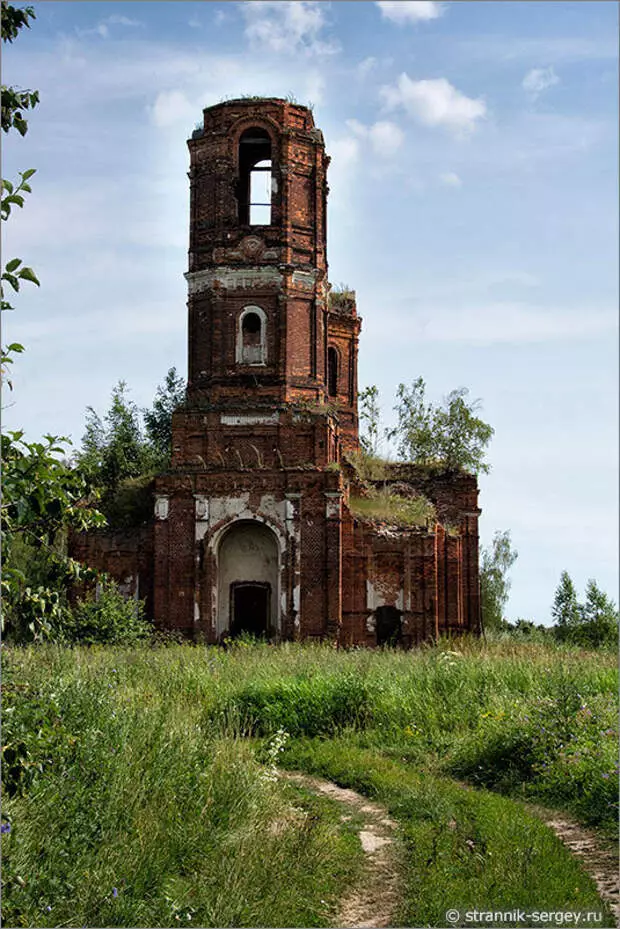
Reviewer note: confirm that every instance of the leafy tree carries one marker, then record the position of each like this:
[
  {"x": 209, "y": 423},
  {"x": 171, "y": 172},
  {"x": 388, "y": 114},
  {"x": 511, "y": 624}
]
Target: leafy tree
[
  {"x": 450, "y": 435},
  {"x": 158, "y": 420},
  {"x": 495, "y": 562},
  {"x": 14, "y": 102},
  {"x": 598, "y": 617},
  {"x": 42, "y": 496},
  {"x": 593, "y": 624},
  {"x": 565, "y": 609},
  {"x": 114, "y": 448},
  {"x": 370, "y": 416}
]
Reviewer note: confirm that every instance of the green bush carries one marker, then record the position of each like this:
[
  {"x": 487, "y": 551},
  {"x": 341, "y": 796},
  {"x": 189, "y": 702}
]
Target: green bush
[
  {"x": 106, "y": 619},
  {"x": 300, "y": 705}
]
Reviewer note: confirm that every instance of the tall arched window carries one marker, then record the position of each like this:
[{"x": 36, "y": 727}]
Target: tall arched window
[
  {"x": 332, "y": 372},
  {"x": 255, "y": 179},
  {"x": 252, "y": 337}
]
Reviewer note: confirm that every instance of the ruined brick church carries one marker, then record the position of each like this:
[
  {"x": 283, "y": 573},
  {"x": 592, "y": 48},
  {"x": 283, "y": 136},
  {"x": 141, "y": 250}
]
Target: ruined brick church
[{"x": 253, "y": 528}]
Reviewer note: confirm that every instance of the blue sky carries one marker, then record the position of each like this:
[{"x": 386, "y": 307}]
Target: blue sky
[{"x": 473, "y": 206}]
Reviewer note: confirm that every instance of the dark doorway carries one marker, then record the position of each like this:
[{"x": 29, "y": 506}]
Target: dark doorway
[
  {"x": 389, "y": 626},
  {"x": 250, "y": 606}
]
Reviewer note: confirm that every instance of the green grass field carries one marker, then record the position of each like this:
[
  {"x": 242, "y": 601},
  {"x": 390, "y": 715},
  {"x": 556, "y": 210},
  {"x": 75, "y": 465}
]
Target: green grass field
[{"x": 141, "y": 789}]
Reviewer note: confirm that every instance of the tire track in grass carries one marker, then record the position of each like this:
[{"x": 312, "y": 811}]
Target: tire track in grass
[
  {"x": 375, "y": 899},
  {"x": 600, "y": 861}
]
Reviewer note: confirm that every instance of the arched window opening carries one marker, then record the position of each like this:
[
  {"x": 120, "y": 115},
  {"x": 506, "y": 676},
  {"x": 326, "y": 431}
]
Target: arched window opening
[
  {"x": 251, "y": 342},
  {"x": 255, "y": 178},
  {"x": 332, "y": 372}
]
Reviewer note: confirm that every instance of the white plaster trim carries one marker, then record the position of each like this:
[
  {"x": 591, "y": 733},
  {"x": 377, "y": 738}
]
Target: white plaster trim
[
  {"x": 250, "y": 419},
  {"x": 202, "y": 507},
  {"x": 333, "y": 502},
  {"x": 231, "y": 278},
  {"x": 305, "y": 279},
  {"x": 162, "y": 506}
]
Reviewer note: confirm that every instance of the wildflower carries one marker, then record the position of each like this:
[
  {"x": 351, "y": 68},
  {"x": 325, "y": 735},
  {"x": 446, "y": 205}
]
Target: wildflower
[
  {"x": 606, "y": 776},
  {"x": 114, "y": 892},
  {"x": 48, "y": 909},
  {"x": 4, "y": 828}
]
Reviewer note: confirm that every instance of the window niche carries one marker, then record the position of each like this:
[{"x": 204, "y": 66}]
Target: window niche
[
  {"x": 252, "y": 337},
  {"x": 255, "y": 178},
  {"x": 332, "y": 371}
]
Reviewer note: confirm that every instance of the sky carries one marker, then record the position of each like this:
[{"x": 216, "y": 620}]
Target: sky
[{"x": 473, "y": 206}]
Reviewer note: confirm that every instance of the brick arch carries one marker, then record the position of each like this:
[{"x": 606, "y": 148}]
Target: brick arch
[
  {"x": 247, "y": 516},
  {"x": 269, "y": 125},
  {"x": 248, "y": 551}
]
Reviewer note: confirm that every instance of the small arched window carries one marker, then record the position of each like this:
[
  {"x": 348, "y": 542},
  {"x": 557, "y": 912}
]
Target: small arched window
[
  {"x": 255, "y": 178},
  {"x": 252, "y": 337},
  {"x": 332, "y": 372}
]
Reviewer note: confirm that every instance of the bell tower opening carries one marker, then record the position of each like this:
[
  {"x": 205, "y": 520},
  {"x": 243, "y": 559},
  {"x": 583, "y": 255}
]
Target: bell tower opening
[{"x": 255, "y": 180}]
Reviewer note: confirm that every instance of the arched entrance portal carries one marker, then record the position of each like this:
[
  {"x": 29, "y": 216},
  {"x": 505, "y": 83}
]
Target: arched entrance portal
[{"x": 248, "y": 571}]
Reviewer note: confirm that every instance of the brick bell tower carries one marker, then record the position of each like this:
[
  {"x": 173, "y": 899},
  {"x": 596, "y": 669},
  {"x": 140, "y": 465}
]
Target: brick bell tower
[{"x": 248, "y": 533}]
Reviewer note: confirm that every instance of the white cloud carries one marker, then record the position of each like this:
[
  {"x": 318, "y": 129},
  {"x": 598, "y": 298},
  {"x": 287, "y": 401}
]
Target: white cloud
[
  {"x": 291, "y": 26},
  {"x": 410, "y": 11},
  {"x": 435, "y": 103},
  {"x": 385, "y": 137},
  {"x": 538, "y": 80},
  {"x": 116, "y": 20},
  {"x": 102, "y": 27},
  {"x": 366, "y": 66},
  {"x": 344, "y": 152},
  {"x": 172, "y": 108},
  {"x": 450, "y": 179}
]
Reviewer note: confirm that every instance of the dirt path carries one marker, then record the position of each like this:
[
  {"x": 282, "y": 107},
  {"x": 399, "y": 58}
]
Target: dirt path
[
  {"x": 373, "y": 901},
  {"x": 598, "y": 859}
]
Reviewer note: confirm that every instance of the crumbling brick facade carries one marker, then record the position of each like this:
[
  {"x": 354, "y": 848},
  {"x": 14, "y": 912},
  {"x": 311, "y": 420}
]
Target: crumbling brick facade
[{"x": 252, "y": 530}]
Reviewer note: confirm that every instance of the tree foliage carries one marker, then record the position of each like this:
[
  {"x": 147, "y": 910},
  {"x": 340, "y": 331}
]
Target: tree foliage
[
  {"x": 495, "y": 563},
  {"x": 42, "y": 495},
  {"x": 115, "y": 448},
  {"x": 42, "y": 498},
  {"x": 15, "y": 101},
  {"x": 370, "y": 418},
  {"x": 450, "y": 435},
  {"x": 125, "y": 448},
  {"x": 158, "y": 420},
  {"x": 565, "y": 609},
  {"x": 593, "y": 624}
]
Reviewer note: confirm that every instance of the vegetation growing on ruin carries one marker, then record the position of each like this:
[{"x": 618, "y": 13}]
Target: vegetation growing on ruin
[
  {"x": 341, "y": 297},
  {"x": 382, "y": 505},
  {"x": 141, "y": 788}
]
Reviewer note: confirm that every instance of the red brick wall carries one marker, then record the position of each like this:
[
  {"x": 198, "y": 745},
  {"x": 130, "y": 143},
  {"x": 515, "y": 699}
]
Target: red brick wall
[{"x": 335, "y": 570}]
